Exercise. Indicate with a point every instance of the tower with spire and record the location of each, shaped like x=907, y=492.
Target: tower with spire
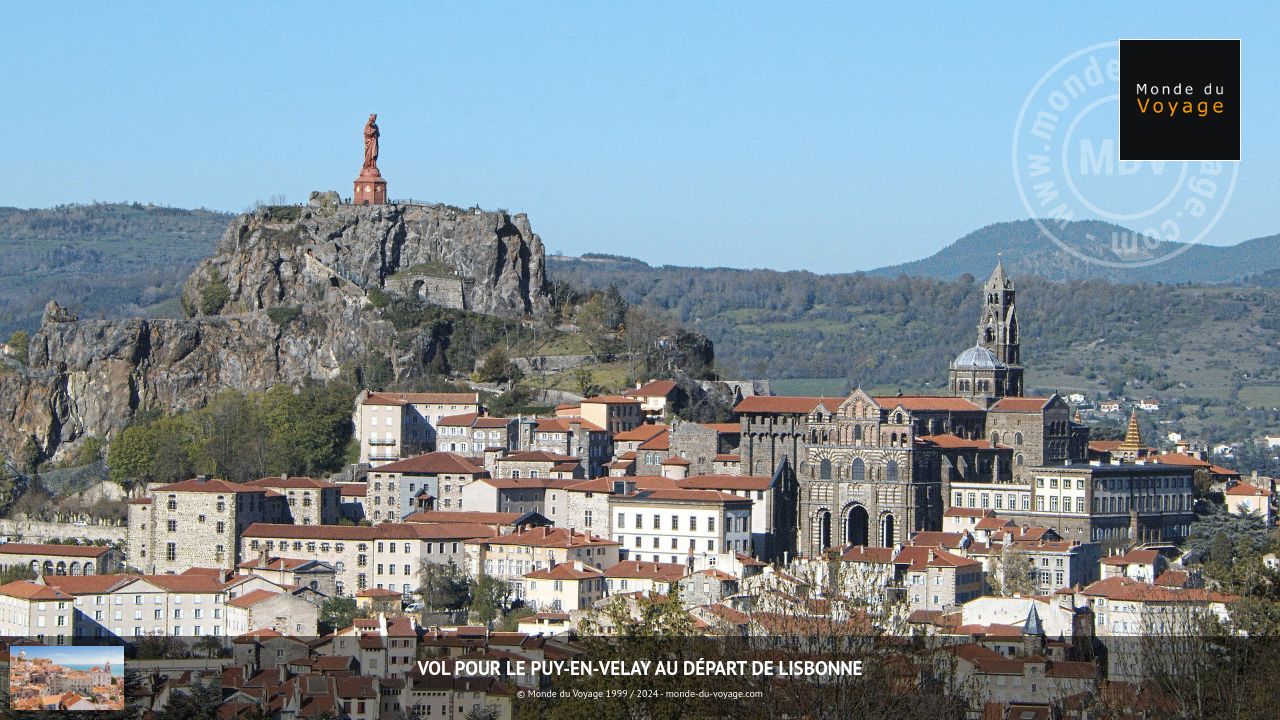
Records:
x=992, y=368
x=1132, y=447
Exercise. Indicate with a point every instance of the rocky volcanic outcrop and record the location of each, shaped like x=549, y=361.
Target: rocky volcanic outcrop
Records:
x=296, y=305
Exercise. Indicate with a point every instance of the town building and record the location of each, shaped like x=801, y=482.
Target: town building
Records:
x=656, y=398
x=37, y=611
x=676, y=525
x=58, y=559
x=576, y=437
x=873, y=469
x=310, y=501
x=395, y=425
x=510, y=557
x=472, y=433
x=196, y=523
x=564, y=587
x=389, y=555
x=429, y=481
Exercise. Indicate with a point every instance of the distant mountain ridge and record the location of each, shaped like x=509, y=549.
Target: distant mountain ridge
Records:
x=1025, y=251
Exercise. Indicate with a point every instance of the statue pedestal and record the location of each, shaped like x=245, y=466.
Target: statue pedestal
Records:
x=370, y=189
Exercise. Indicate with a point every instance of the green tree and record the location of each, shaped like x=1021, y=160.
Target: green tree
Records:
x=489, y=596
x=20, y=344
x=309, y=427
x=90, y=451
x=496, y=366
x=200, y=702
x=338, y=612
x=444, y=586
x=30, y=455
x=230, y=438
x=209, y=645
x=214, y=296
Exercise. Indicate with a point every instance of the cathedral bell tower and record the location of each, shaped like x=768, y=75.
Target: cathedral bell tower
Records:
x=992, y=368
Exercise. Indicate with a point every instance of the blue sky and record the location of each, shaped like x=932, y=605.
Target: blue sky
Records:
x=71, y=655
x=829, y=137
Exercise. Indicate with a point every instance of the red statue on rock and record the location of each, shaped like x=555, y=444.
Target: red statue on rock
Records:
x=371, y=189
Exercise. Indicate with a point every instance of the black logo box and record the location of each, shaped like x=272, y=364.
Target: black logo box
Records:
x=1205, y=73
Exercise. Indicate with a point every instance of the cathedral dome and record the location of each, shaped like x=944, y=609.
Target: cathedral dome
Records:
x=977, y=357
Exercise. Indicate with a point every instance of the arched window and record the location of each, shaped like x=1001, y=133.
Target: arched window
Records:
x=1017, y=438
x=858, y=470
x=857, y=432
x=891, y=471
x=1017, y=459
x=897, y=418
x=824, y=469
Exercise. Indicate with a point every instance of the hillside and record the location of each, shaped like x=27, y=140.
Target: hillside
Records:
x=1216, y=350
x=290, y=294
x=109, y=260
x=1025, y=251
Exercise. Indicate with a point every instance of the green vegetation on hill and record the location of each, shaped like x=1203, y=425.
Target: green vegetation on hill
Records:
x=1212, y=353
x=113, y=260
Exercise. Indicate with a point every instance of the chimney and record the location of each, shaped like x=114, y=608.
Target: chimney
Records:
x=284, y=476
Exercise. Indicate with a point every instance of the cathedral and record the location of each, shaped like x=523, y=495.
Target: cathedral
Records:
x=872, y=470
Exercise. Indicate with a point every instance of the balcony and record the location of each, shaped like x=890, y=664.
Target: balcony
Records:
x=383, y=441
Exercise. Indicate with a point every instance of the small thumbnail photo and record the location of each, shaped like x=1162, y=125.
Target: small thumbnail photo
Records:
x=45, y=677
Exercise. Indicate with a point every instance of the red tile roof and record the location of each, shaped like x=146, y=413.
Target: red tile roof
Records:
x=538, y=456
x=653, y=388
x=432, y=463
x=684, y=495
x=89, y=551
x=377, y=593
x=292, y=481
x=611, y=400
x=1020, y=404
x=661, y=441
x=948, y=441
x=724, y=428
x=676, y=460
x=564, y=425
x=402, y=398
x=1241, y=489
x=88, y=584
x=605, y=484
x=566, y=571
x=1139, y=557
x=463, y=516
x=640, y=433
x=727, y=482
x=253, y=597
x=661, y=572
x=32, y=591
x=209, y=486
x=1119, y=587
x=547, y=537
x=784, y=404
x=353, y=489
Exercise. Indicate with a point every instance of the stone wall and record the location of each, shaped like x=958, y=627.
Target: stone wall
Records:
x=22, y=530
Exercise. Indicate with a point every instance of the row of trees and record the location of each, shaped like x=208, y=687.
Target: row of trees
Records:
x=240, y=436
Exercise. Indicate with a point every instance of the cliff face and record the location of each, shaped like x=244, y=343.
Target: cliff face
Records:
x=296, y=305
